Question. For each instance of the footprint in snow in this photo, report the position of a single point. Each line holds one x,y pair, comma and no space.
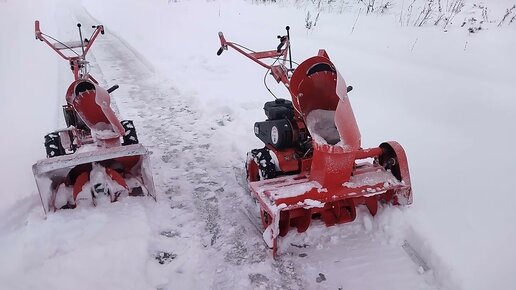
259,280
320,278
164,257
169,234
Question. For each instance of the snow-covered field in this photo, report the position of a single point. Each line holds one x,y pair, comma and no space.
447,97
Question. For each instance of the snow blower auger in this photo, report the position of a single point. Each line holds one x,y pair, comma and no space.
313,165
96,155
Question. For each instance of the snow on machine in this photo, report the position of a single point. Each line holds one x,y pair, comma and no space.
96,157
313,165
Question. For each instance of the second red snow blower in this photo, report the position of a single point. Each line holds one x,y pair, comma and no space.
96,155
313,165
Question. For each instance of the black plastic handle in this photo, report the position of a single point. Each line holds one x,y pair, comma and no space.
349,89
283,40
111,89
221,49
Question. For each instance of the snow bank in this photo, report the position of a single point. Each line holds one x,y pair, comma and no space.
90,248
321,125
29,95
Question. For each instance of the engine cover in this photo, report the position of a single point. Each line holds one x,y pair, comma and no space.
279,109
278,133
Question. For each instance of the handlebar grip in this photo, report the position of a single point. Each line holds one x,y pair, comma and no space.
283,40
111,89
349,89
221,49
278,50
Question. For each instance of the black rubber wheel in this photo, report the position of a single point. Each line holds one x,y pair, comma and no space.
251,168
266,167
73,119
130,136
53,145
70,116
389,160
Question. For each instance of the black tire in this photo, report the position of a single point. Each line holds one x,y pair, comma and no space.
53,145
73,119
130,136
69,116
389,160
263,159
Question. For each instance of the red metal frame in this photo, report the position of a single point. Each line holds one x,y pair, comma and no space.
93,104
75,61
329,183
104,131
279,72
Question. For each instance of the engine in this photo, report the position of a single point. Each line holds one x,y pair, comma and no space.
279,130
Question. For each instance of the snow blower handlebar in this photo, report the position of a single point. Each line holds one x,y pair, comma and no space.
78,61
279,71
57,47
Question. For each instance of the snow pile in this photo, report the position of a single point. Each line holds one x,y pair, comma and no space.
372,178
29,96
321,125
76,247
292,190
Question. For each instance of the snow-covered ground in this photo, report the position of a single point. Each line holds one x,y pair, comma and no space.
28,86
447,97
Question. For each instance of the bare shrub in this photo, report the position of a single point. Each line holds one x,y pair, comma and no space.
309,23
384,7
425,14
369,5
454,8
507,14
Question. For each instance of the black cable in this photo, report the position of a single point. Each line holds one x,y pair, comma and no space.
265,83
91,35
61,43
265,77
241,46
295,63
267,73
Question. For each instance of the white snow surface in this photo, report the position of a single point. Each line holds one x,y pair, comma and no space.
447,97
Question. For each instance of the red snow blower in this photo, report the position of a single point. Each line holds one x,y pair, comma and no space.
96,155
313,165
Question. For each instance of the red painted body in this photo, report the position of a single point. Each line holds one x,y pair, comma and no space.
94,141
332,179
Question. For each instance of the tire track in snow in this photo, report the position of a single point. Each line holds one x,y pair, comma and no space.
155,106
204,196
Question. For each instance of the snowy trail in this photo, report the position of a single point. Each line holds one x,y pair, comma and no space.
206,195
